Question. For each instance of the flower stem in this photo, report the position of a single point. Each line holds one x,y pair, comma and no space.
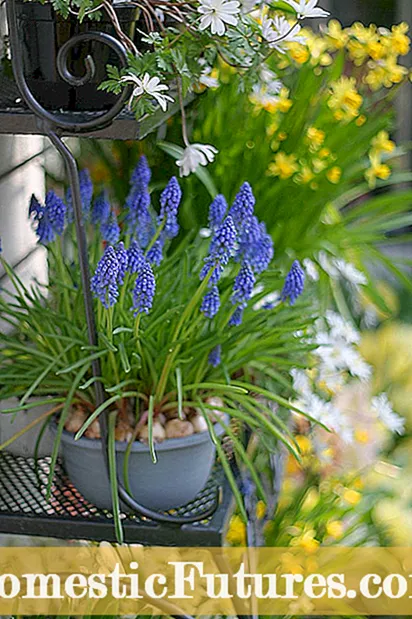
174,351
109,314
155,237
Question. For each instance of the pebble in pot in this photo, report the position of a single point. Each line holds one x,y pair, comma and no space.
199,423
176,428
159,433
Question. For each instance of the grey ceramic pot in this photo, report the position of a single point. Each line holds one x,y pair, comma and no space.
181,472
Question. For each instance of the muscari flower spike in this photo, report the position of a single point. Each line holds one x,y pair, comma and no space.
214,358
50,217
155,253
294,283
123,259
242,208
221,248
237,317
86,194
169,205
138,219
256,246
217,211
211,303
101,209
223,242
243,286
110,229
104,283
144,290
142,174
135,258
56,210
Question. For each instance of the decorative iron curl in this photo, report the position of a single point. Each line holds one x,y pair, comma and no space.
58,120
62,63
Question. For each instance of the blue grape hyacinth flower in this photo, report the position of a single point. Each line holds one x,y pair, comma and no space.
135,258
123,258
105,281
138,219
169,205
211,303
101,209
49,218
110,229
256,246
155,253
214,358
294,283
217,211
237,317
242,208
86,195
243,286
142,174
221,249
144,290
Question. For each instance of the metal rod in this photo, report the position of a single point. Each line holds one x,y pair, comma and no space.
73,176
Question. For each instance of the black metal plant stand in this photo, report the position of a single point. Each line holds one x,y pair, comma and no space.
200,523
52,124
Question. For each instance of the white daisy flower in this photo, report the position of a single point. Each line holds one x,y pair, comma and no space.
307,8
349,272
311,269
271,300
323,411
150,86
333,380
356,365
383,409
261,96
207,80
195,155
327,265
267,90
342,329
218,13
278,32
249,5
271,80
301,383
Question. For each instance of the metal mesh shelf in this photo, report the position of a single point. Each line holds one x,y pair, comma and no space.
25,510
17,119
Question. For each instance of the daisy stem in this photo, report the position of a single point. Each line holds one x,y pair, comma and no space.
182,111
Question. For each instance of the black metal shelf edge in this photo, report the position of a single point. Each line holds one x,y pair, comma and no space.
24,510
17,119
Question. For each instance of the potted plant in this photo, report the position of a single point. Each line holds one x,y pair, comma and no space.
196,339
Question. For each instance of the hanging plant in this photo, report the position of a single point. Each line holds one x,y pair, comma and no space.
176,46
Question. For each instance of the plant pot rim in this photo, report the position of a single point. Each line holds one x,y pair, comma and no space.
169,444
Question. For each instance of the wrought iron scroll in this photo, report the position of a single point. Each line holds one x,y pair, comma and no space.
52,124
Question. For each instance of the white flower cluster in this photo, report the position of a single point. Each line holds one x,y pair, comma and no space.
219,17
337,268
339,366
